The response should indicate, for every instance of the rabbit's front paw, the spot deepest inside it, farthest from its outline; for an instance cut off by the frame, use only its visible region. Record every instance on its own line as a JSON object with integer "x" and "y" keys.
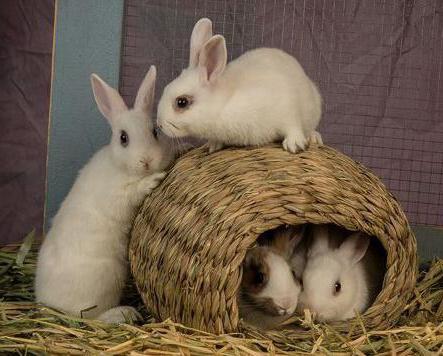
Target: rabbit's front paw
{"x": 151, "y": 182}
{"x": 158, "y": 177}
{"x": 315, "y": 138}
{"x": 294, "y": 142}
{"x": 120, "y": 314}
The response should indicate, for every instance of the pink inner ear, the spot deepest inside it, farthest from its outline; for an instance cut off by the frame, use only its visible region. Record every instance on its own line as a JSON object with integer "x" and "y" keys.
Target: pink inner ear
{"x": 361, "y": 246}
{"x": 213, "y": 58}
{"x": 108, "y": 100}
{"x": 102, "y": 99}
{"x": 355, "y": 247}
{"x": 212, "y": 61}
{"x": 145, "y": 95}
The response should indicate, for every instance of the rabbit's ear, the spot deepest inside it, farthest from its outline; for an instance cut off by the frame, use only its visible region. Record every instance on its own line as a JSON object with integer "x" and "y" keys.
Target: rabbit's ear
{"x": 212, "y": 59}
{"x": 145, "y": 95}
{"x": 320, "y": 242}
{"x": 108, "y": 100}
{"x": 286, "y": 239}
{"x": 355, "y": 246}
{"x": 296, "y": 235}
{"x": 201, "y": 33}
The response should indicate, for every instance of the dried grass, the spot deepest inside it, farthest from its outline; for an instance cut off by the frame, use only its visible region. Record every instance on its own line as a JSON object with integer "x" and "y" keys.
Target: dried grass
{"x": 27, "y": 328}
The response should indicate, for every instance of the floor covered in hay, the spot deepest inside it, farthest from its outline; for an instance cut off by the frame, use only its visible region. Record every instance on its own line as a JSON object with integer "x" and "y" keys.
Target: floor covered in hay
{"x": 26, "y": 328}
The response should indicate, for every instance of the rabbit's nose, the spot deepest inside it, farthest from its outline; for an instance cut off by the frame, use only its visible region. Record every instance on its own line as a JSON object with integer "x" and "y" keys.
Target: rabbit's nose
{"x": 146, "y": 164}
{"x": 281, "y": 311}
{"x": 285, "y": 311}
{"x": 286, "y": 306}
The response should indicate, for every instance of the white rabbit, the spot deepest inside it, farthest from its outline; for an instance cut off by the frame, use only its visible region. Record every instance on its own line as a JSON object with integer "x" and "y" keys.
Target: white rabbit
{"x": 269, "y": 288}
{"x": 83, "y": 264}
{"x": 261, "y": 97}
{"x": 339, "y": 281}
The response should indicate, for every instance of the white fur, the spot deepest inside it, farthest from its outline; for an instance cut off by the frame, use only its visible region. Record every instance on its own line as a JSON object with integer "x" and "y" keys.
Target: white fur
{"x": 281, "y": 288}
{"x": 261, "y": 97}
{"x": 324, "y": 267}
{"x": 83, "y": 260}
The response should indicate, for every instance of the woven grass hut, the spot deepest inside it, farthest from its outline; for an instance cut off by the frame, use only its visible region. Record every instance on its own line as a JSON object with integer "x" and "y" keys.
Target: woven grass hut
{"x": 191, "y": 235}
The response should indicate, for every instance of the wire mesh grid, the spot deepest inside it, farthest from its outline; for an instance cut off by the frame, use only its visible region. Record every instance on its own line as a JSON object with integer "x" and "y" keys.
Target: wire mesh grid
{"x": 377, "y": 63}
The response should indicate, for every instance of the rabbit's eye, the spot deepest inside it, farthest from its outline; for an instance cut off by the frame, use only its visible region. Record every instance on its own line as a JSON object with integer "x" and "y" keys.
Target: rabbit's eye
{"x": 337, "y": 287}
{"x": 259, "y": 278}
{"x": 294, "y": 275}
{"x": 124, "y": 138}
{"x": 183, "y": 102}
{"x": 155, "y": 133}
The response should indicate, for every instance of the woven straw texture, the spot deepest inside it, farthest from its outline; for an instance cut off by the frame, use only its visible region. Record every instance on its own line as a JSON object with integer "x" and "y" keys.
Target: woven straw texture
{"x": 192, "y": 233}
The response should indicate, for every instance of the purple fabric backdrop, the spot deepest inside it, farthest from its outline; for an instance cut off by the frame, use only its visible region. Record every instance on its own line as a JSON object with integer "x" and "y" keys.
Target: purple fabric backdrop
{"x": 26, "y": 30}
{"x": 378, "y": 65}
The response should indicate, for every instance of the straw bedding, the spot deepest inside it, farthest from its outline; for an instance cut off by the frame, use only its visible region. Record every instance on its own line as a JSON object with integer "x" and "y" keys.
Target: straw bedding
{"x": 192, "y": 233}
{"x": 26, "y": 328}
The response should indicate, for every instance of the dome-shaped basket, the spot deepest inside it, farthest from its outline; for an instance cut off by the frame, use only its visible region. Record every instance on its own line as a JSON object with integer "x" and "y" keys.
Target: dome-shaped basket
{"x": 191, "y": 235}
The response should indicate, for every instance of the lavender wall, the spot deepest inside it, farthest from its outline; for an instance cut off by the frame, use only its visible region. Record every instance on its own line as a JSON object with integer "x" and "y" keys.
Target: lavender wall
{"x": 378, "y": 65}
{"x": 26, "y": 31}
